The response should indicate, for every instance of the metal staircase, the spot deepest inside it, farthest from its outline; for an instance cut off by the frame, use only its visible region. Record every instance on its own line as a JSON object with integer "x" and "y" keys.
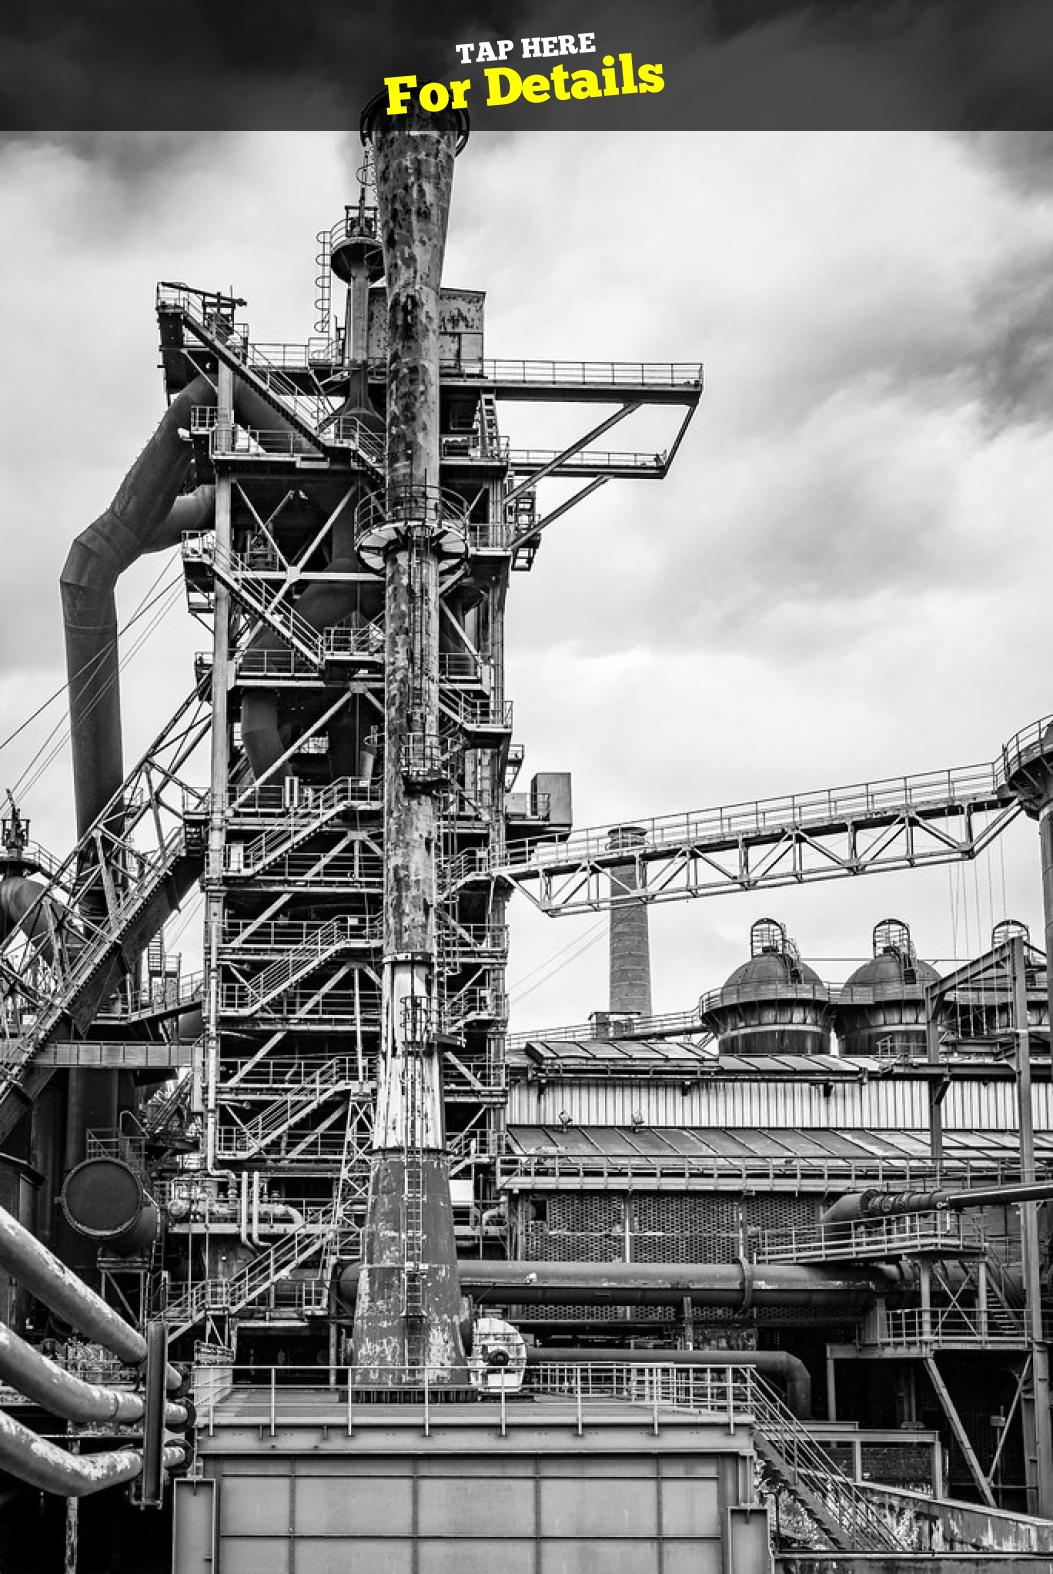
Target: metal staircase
{"x": 127, "y": 875}
{"x": 231, "y": 1295}
{"x": 294, "y": 1105}
{"x": 300, "y": 823}
{"x": 836, "y": 1504}
{"x": 327, "y": 941}
{"x": 255, "y": 595}
{"x": 305, "y": 413}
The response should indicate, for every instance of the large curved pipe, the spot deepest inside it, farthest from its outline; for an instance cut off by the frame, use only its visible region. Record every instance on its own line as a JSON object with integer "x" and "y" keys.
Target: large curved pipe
{"x": 31, "y": 1458}
{"x": 146, "y": 515}
{"x": 58, "y": 1391}
{"x": 780, "y": 1364}
{"x": 738, "y": 1285}
{"x": 21, "y": 903}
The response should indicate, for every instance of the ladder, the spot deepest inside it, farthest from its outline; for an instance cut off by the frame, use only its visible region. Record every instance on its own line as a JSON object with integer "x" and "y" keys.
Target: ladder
{"x": 413, "y": 1196}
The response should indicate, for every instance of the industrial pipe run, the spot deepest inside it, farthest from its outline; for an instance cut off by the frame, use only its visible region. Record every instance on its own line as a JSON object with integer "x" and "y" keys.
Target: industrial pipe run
{"x": 875, "y": 1204}
{"x": 58, "y": 1391}
{"x": 41, "y": 1464}
{"x": 44, "y": 1276}
{"x": 780, "y": 1364}
{"x": 739, "y": 1285}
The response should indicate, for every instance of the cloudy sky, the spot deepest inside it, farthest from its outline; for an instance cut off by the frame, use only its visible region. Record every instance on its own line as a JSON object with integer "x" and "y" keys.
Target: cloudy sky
{"x": 845, "y": 577}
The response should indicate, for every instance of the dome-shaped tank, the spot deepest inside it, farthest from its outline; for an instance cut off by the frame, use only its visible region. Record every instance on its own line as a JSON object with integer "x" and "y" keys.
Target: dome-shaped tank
{"x": 881, "y": 1008}
{"x": 774, "y": 1004}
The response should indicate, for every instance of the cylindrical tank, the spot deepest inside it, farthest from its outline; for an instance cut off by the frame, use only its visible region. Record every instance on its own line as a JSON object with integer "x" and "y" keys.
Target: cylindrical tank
{"x": 104, "y": 1199}
{"x": 881, "y": 1008}
{"x": 774, "y": 1004}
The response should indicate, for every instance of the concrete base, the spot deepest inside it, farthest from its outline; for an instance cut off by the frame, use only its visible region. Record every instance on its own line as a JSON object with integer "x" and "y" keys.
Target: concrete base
{"x": 536, "y": 1487}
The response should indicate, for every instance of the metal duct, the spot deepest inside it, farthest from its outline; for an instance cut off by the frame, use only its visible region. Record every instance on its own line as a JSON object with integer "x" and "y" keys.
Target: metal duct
{"x": 146, "y": 515}
{"x": 780, "y": 1364}
{"x": 21, "y": 903}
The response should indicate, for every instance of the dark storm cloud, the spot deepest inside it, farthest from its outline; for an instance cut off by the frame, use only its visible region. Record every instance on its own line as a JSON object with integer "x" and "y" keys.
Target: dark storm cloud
{"x": 128, "y": 158}
{"x": 1023, "y": 158}
{"x": 729, "y": 63}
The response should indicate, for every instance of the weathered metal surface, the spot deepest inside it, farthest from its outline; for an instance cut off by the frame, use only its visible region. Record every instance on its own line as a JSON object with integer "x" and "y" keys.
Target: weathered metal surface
{"x": 39, "y": 1379}
{"x": 409, "y": 1312}
{"x": 41, "y": 1464}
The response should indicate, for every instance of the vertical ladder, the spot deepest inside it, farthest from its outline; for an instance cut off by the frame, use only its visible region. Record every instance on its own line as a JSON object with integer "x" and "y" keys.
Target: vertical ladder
{"x": 413, "y": 1194}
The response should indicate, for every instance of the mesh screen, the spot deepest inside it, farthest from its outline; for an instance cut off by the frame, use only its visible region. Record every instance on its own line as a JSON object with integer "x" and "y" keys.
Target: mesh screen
{"x": 589, "y": 1212}
{"x": 543, "y": 1244}
{"x": 779, "y": 1211}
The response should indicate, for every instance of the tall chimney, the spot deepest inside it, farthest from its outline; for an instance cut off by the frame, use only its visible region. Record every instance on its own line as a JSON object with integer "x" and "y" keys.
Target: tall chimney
{"x": 630, "y": 946}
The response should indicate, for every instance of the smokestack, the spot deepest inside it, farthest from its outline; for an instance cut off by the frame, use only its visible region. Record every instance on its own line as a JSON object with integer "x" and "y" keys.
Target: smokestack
{"x": 408, "y": 1313}
{"x": 630, "y": 945}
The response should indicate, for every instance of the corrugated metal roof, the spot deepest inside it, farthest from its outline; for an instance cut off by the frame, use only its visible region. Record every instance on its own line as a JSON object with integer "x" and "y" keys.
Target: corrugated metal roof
{"x": 608, "y": 1052}
{"x": 747, "y": 1142}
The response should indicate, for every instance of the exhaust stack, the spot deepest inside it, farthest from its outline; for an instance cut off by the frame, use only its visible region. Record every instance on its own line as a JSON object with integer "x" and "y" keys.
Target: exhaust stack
{"x": 630, "y": 941}
{"x": 408, "y": 1312}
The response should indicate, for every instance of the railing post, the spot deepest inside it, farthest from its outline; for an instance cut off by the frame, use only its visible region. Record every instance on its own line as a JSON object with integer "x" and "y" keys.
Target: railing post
{"x": 274, "y": 1398}
{"x": 577, "y": 1393}
{"x": 350, "y": 1405}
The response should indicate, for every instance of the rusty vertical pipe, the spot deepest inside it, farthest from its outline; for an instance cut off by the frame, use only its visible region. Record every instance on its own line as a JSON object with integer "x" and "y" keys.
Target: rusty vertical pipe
{"x": 630, "y": 944}
{"x": 407, "y": 1314}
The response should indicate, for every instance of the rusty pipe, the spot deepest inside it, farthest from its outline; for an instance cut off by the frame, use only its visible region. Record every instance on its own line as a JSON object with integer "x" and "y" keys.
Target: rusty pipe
{"x": 780, "y": 1364}
{"x": 63, "y": 1394}
{"x": 58, "y": 1287}
{"x": 39, "y": 1463}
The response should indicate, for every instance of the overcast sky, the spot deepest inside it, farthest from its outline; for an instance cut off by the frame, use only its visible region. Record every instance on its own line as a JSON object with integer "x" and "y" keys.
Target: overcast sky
{"x": 846, "y": 575}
